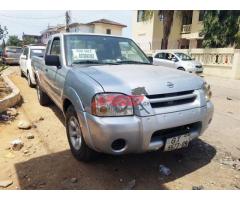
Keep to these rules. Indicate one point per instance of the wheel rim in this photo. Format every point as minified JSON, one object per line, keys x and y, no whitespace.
{"x":74,"y":133}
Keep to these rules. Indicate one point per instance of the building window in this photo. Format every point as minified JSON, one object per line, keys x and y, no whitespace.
{"x":187,"y":17}
{"x":108,"y":31}
{"x":199,"y":43}
{"x":140,"y":14}
{"x":201,"y":15}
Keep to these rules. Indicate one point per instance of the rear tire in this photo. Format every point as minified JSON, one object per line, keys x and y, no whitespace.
{"x":78,"y":146}
{"x":22,"y":74}
{"x":30,"y":84}
{"x":43,"y":98}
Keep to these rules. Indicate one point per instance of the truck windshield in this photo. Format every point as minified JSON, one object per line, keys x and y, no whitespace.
{"x":94,"y":49}
{"x":183,"y":56}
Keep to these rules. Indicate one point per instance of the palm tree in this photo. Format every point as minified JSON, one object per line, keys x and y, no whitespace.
{"x":167,"y":17}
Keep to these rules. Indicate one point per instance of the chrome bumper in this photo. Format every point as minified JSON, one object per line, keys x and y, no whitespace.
{"x":100,"y":132}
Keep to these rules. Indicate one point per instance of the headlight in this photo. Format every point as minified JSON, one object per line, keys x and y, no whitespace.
{"x":207,"y":91}
{"x":112,"y":104}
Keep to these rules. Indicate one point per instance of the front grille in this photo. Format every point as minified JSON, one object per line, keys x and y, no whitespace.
{"x":176,"y":131}
{"x":172,"y":99}
{"x":173,"y":94}
{"x":198,"y":66}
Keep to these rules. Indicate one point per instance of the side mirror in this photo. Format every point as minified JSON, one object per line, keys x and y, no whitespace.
{"x":52,"y":60}
{"x":150,"y":58}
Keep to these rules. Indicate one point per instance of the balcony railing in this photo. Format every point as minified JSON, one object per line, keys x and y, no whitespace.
{"x":186,"y":28}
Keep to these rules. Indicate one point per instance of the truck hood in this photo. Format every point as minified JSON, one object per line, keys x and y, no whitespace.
{"x":142,"y":79}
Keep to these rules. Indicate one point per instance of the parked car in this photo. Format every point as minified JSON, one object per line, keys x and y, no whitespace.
{"x":26,"y":63}
{"x":177,"y":60}
{"x":115,"y":101}
{"x":11,"y":55}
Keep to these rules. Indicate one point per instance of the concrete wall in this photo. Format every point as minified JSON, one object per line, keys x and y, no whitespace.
{"x":142,"y":32}
{"x":222,"y":62}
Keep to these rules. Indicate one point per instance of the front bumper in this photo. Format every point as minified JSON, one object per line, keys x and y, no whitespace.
{"x":195,"y":70}
{"x":100,"y":132}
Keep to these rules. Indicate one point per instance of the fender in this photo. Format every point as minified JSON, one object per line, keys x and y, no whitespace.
{"x":71,"y":95}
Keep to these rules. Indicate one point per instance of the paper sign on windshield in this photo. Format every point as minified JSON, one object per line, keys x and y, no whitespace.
{"x":84,"y":54}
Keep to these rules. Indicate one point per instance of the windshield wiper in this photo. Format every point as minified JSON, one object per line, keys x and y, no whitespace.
{"x":132,"y":62}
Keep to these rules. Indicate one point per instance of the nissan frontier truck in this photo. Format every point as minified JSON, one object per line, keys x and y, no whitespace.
{"x":115,"y":101}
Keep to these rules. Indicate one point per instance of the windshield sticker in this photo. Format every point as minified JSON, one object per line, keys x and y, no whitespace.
{"x":84,"y":54}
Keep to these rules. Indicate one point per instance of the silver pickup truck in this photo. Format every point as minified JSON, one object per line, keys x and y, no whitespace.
{"x":115,"y":101}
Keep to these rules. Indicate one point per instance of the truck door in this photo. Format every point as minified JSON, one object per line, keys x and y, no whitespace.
{"x":50,"y":71}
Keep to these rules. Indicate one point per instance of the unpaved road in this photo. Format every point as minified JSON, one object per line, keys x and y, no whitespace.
{"x":48,"y":164}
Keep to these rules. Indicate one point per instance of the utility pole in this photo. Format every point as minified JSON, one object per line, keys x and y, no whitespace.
{"x":68,"y":20}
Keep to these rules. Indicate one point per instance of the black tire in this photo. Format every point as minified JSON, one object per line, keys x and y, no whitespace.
{"x":181,"y":68}
{"x":83,"y":153}
{"x":30,"y":84}
{"x":22,"y":74}
{"x":43,"y":98}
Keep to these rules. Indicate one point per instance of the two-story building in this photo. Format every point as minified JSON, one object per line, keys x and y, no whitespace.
{"x":185,"y":30}
{"x":101,"y":26}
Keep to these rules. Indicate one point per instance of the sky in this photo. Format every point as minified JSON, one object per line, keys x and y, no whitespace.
{"x":32,"y":22}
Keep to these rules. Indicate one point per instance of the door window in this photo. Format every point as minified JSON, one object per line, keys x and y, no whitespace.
{"x":55,"y":49}
{"x":25,"y":52}
{"x":160,"y":55}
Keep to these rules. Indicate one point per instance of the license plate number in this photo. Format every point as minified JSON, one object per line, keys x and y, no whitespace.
{"x":177,"y":142}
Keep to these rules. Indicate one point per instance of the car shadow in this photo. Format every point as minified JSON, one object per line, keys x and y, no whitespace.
{"x":61,"y":171}
{"x":55,"y":171}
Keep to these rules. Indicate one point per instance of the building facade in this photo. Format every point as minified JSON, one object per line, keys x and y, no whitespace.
{"x":185,"y":30}
{"x":101,"y":26}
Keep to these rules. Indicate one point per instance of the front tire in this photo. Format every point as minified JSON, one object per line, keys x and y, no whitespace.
{"x":78,"y":146}
{"x":43,"y":98}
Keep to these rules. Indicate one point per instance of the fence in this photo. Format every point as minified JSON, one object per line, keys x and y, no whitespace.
{"x":224,"y":62}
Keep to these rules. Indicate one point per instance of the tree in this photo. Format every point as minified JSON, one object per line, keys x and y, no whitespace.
{"x":13,"y":40}
{"x":3,"y":34}
{"x":28,"y":40}
{"x":221,"y":28}
{"x":167,"y":17}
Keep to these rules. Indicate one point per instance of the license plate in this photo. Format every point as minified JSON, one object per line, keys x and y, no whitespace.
{"x":177,"y":142}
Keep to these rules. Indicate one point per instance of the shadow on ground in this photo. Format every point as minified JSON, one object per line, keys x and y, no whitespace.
{"x":55,"y":171}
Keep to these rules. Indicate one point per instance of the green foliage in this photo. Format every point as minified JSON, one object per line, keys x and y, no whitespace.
{"x":3,"y":32}
{"x":29,"y":40}
{"x":221,"y":28}
{"x":13,"y":40}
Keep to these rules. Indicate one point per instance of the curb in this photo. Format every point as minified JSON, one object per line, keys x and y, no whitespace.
{"x":13,"y":98}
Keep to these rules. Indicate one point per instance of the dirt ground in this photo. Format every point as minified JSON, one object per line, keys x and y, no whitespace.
{"x":45,"y":162}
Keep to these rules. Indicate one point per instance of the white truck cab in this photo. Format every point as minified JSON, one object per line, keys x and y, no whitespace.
{"x":25,"y":62}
